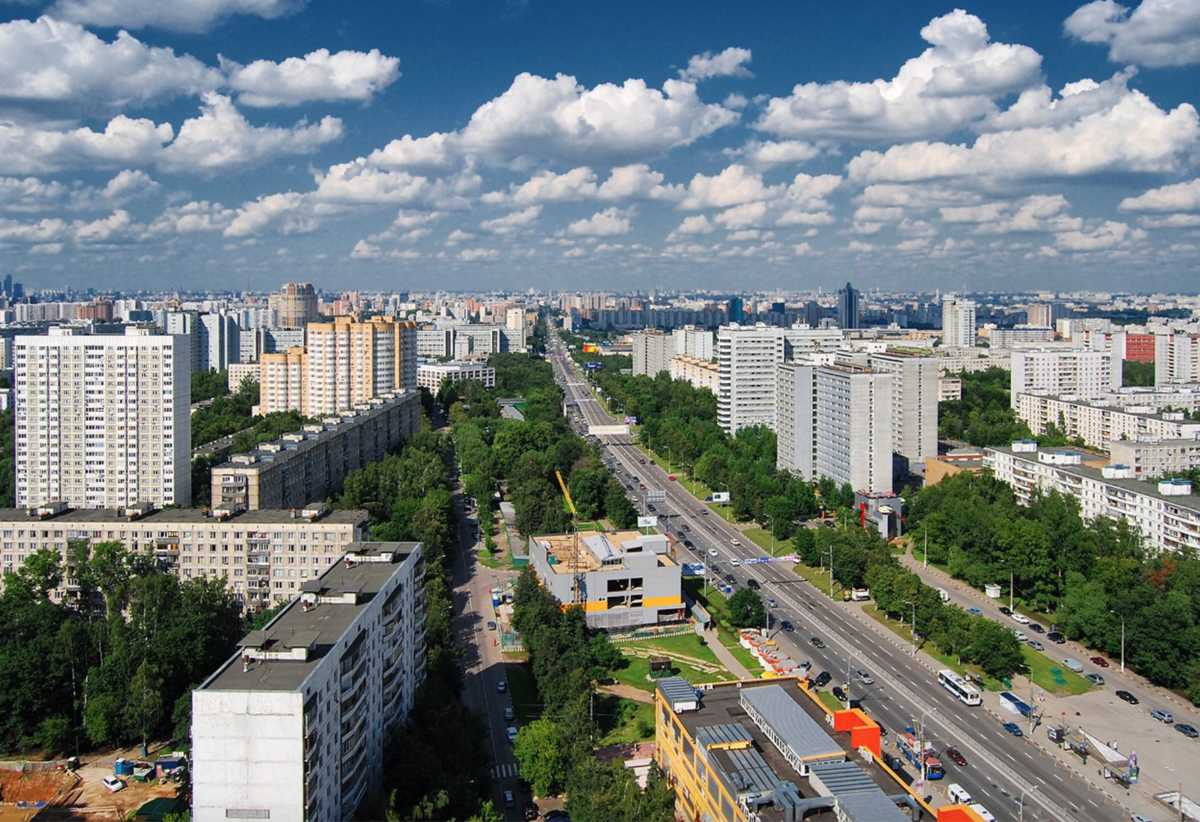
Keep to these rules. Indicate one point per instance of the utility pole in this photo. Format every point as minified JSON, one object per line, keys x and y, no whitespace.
{"x":1010,"y":590}
{"x":1122,"y":616}
{"x":926,"y":546}
{"x":914,"y":625}
{"x":830,"y":552}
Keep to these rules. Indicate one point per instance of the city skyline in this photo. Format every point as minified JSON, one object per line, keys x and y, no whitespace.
{"x":476,"y":146}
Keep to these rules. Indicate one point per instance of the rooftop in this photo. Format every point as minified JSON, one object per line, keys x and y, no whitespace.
{"x":584,"y":552}
{"x":295,"y":642}
{"x":187,"y":516}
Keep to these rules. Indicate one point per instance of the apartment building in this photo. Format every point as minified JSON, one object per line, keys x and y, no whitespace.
{"x":772,"y":752}
{"x":699,"y":372}
{"x":1166,"y":514}
{"x":622,"y":580}
{"x":1176,"y":359}
{"x":1102,"y":423}
{"x":914,"y":403}
{"x":693,"y":342}
{"x":343,"y":364}
{"x":264,"y":555}
{"x":835,"y":420}
{"x":431,"y":374}
{"x":291,"y":726}
{"x":1020,"y":335}
{"x":312,"y":463}
{"x":652,"y":352}
{"x":1151,"y":458}
{"x":462,"y":341}
{"x":958,"y":323}
{"x":747,"y":357}
{"x":295,"y":305}
{"x":102,"y":420}
{"x":1086,"y":374}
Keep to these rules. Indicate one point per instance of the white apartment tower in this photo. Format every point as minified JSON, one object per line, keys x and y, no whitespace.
{"x":103,"y":420}
{"x":693,"y":342}
{"x":958,"y":323}
{"x":652,"y":352}
{"x":1083,"y":374}
{"x":914,"y":403}
{"x":835,"y":420}
{"x":1176,"y":359}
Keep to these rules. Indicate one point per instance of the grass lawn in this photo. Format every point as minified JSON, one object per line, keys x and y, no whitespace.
{"x":623,"y":720}
{"x":1052,"y":676}
{"x":637,"y":669}
{"x":527,"y":704}
{"x":830,"y":701}
{"x":718,"y":607}
{"x":485,"y":558}
{"x":762,"y":538}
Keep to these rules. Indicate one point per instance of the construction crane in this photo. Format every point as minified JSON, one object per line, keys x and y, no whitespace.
{"x":575,"y":571}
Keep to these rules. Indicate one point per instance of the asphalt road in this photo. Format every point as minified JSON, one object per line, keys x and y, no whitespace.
{"x":1001,"y":768}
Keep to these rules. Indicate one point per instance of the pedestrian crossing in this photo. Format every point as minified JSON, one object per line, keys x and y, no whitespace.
{"x":505,"y":771}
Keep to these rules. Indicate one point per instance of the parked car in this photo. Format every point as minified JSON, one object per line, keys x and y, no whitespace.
{"x":1099,"y":661}
{"x":529,"y":811}
{"x":1021,"y":618}
{"x":508,"y":715}
{"x":1056,"y":637}
{"x":787,"y":626}
{"x":512,"y":733}
{"x":1095,"y":679}
{"x":954,"y":756}
{"x":838,"y":693}
{"x":1013,"y":728}
{"x":1035,"y":645}
{"x":1187,"y":730}
{"x":818,"y":642}
{"x":822,"y":679}
{"x":1021,"y":636}
{"x":113,"y":783}
{"x":1037,"y":629}
{"x":865,"y":676}
{"x":491,"y":625}
{"x":1004,"y":610}
{"x":1125,"y":696}
{"x":974,"y":612}
{"x":1162,"y":716}
{"x":1073,"y":665}
{"x":501,"y":686}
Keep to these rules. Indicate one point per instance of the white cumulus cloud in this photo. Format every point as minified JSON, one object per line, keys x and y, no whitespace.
{"x":123,"y":142}
{"x":319,"y":75}
{"x":729,"y":63}
{"x":1156,"y":33}
{"x":1177,"y":197}
{"x":607,"y":223}
{"x":175,"y":15}
{"x":513,"y":221}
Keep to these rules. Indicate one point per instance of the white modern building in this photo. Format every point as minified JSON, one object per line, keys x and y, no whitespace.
{"x":694,"y":342}
{"x":1166,"y":514}
{"x":914,"y":402}
{"x":652,"y":352}
{"x":292,"y":726}
{"x":1102,"y":424}
{"x":1085,"y":374}
{"x":1176,"y":359}
{"x":835,"y":420}
{"x":102,"y":420}
{"x":1020,"y":335}
{"x":958,"y":323}
{"x":431,"y":374}
{"x":700,"y":373}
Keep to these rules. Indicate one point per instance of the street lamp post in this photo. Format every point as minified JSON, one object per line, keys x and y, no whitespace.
{"x":1122,"y":616}
{"x":830,"y":552}
{"x":771,"y":522}
{"x":914,"y":625}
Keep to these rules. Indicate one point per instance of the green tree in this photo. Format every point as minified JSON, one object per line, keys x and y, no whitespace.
{"x":995,"y":649}
{"x":144,"y":710}
{"x":539,"y":755}
{"x":746,"y":609}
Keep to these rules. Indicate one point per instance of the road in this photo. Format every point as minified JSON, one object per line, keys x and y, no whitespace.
{"x":1003,"y":773}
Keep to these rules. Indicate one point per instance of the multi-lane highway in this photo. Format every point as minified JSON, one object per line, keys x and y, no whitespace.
{"x":1009,"y":776}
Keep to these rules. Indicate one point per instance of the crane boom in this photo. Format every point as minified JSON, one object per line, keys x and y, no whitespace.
{"x":566,"y":493}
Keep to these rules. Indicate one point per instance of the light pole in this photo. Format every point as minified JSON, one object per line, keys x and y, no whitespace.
{"x":1010,"y":589}
{"x":926,"y":546}
{"x":771,"y":520}
{"x":1021,"y":816}
{"x":830,"y":552}
{"x":914,"y":625}
{"x":1122,"y":616}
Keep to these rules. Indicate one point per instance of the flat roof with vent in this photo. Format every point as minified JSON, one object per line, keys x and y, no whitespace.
{"x":317,"y":628}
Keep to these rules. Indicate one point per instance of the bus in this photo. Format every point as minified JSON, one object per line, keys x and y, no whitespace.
{"x":958,"y":686}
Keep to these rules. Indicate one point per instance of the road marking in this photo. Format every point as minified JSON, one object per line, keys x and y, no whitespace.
{"x":505,"y":771}
{"x":1059,"y":778}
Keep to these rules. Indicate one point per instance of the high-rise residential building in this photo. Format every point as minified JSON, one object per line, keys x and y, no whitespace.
{"x":295,"y":305}
{"x":735,"y":310}
{"x":700,"y":373}
{"x":1176,"y":359}
{"x":291,"y":726}
{"x":848,"y":309}
{"x":186,"y":324}
{"x":835,"y":420}
{"x":958,"y":322}
{"x":1084,"y":374}
{"x":343,"y":364}
{"x":693,"y":342}
{"x":1044,"y":315}
{"x":914,"y":403}
{"x":652,"y":352}
{"x":103,"y":420}
{"x":220,"y":341}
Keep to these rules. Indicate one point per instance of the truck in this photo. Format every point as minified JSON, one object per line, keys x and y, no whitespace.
{"x":860,"y":594}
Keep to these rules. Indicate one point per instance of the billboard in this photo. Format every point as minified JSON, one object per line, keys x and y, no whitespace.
{"x":591,"y":348}
{"x":592,"y":366}
{"x":608,"y":430}
{"x":647,"y":522}
{"x":721,"y":496}
{"x":630,"y":420}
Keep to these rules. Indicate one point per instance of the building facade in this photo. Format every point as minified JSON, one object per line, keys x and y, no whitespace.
{"x":102,"y":420}
{"x":915,"y":396}
{"x":652,"y":352}
{"x":1085,"y":374}
{"x":849,"y":313}
{"x":694,"y":342}
{"x":264,"y":555}
{"x":431,"y":374}
{"x":292,"y":725}
{"x":1103,"y":424}
{"x":312,"y":463}
{"x":700,"y":373}
{"x":1176,"y":359}
{"x":958,"y":323}
{"x":295,"y":305}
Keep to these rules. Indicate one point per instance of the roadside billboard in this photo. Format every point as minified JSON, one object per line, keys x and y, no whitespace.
{"x":647,"y":522}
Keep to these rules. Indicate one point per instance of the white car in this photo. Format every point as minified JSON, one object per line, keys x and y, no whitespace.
{"x":1021,"y":618}
{"x":735,"y":562}
{"x":113,"y":783}
{"x":713,"y":552}
{"x":512,"y":733}
{"x":1020,"y":635}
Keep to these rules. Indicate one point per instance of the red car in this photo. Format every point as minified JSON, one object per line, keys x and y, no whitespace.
{"x":1099,"y":661}
{"x":954,"y":756}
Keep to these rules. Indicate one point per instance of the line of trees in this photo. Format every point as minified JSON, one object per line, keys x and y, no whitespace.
{"x":1089,"y":575}
{"x":555,"y":752}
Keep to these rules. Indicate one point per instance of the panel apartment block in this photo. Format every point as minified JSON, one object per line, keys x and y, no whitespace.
{"x":652,"y":352}
{"x":622,"y":580}
{"x":102,"y":420}
{"x":431,"y":374}
{"x":1086,"y":374}
{"x":915,"y":395}
{"x":264,"y":555}
{"x":1176,"y":359}
{"x":292,"y":726}
{"x":1101,"y":424}
{"x":312,"y":463}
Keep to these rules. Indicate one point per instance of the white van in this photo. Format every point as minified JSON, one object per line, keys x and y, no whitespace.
{"x":943,"y":594}
{"x":958,"y":794}
{"x":983,"y":812}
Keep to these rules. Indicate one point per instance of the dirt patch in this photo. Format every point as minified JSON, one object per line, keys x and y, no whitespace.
{"x":101,"y":803}
{"x":29,"y":786}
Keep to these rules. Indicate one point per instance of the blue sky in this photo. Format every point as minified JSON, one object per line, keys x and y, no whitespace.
{"x":473,"y":145}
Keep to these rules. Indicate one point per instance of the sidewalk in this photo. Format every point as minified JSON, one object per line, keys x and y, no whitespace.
{"x":727,"y":659}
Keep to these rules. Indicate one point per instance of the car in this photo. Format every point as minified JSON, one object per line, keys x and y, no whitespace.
{"x":641,"y":486}
{"x":1037,"y":629}
{"x":1013,"y":728}
{"x":1004,"y":610}
{"x":652,"y":509}
{"x":1187,"y":730}
{"x":736,"y":543}
{"x":771,"y":603}
{"x":1162,"y":716}
{"x":806,"y":664}
{"x":954,"y":756}
{"x":838,"y":693}
{"x":704,"y":512}
{"x":1125,"y":696}
{"x":509,"y":716}
{"x":1073,"y":665}
{"x":1035,"y":645}
{"x":1098,"y":661}
{"x":787,"y":626}
{"x":822,"y":679}
{"x":1021,"y":618}
{"x":730,"y":578}
{"x":1056,"y":637}
{"x":510,"y":801}
{"x":1140,"y":817}
{"x":1095,"y":679}
{"x":753,"y":583}
{"x":529,"y":811}
{"x":818,"y":642}
{"x":974,"y":612}
{"x":1021,"y":636}
{"x":501,"y":686}
{"x":865,"y":676}
{"x":716,"y":569}
{"x":641,"y":462}
{"x":491,"y":624}
{"x":687,"y":543}
{"x":556,"y":815}
{"x":512,"y":733}
{"x":713,"y":552}
{"x":735,"y":562}
{"x":113,"y":783}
